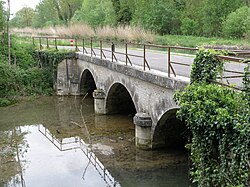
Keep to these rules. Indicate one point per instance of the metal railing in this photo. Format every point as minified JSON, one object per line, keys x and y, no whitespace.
{"x":91,"y":47}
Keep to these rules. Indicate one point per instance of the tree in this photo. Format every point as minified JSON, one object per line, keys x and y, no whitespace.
{"x":66,"y":9}
{"x":237,"y":23}
{"x":2,"y":17}
{"x":161,"y":16}
{"x":54,"y":12}
{"x":96,"y":13}
{"x":214,"y":12}
{"x":123,"y":10}
{"x":191,"y":18}
{"x":23,"y":17}
{"x":45,"y":14}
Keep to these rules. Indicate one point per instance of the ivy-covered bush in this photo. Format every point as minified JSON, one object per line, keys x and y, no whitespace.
{"x":206,"y":66}
{"x":219,"y":119}
{"x":31,"y":72}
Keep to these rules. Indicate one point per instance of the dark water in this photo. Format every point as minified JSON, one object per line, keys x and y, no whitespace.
{"x":49,"y":142}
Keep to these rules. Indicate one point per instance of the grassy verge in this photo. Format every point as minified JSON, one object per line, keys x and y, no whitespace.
{"x":194,"y":41}
{"x":132,"y":34}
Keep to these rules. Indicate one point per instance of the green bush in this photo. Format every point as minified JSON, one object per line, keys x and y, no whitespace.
{"x":219,"y":119}
{"x":237,"y":23}
{"x":33,"y":73}
{"x":96,"y":13}
{"x":160,"y":16}
{"x":189,"y":26}
{"x":206,"y":66}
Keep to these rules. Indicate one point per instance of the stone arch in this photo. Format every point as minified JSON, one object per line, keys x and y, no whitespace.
{"x":87,"y":83}
{"x":170,"y":131}
{"x":119,"y":100}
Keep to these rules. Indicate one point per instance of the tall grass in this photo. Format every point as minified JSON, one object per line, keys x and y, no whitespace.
{"x":122,"y":33}
{"x":132,"y":34}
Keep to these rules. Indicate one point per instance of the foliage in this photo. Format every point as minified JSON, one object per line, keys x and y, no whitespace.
{"x":220,"y":127}
{"x":124,"y":11}
{"x":189,"y":17}
{"x":45,"y":15}
{"x":189,"y":26}
{"x":206,"y":66}
{"x":246,"y":80}
{"x":55,"y":12}
{"x":2,"y":17}
{"x":195,"y":41}
{"x":214,"y":12}
{"x":160,"y":16}
{"x":237,"y":23}
{"x":23,"y":18}
{"x":34,"y":73}
{"x":219,"y":119}
{"x":96,"y":12}
{"x":49,"y":60}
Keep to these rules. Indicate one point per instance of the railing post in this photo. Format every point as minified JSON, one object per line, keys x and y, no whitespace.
{"x":83,"y":45}
{"x":113,"y":50}
{"x":126,"y":51}
{"x":91,"y":46}
{"x":76,"y":49}
{"x":40,"y":43}
{"x":33,"y":40}
{"x":101,"y":49}
{"x":47,"y":40}
{"x":144,"y":57}
{"x":169,"y":63}
{"x":56,"y":44}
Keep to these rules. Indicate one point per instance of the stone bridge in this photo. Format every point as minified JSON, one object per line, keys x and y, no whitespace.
{"x":117,"y":88}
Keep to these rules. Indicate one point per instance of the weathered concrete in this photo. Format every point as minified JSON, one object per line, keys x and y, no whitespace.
{"x":99,"y":101}
{"x":143,"y":124}
{"x":150,"y":92}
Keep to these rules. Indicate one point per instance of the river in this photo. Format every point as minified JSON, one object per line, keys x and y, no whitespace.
{"x":59,"y":141}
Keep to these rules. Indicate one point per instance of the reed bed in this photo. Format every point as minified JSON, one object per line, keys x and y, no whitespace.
{"x":120,"y":33}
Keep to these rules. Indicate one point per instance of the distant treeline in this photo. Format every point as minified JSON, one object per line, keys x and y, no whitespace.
{"x":223,"y":18}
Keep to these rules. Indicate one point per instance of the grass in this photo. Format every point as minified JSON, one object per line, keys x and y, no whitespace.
{"x":194,"y":41}
{"x":133,"y":34}
{"x":121,"y":33}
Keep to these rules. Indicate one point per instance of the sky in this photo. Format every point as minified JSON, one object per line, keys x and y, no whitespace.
{"x":16,"y":5}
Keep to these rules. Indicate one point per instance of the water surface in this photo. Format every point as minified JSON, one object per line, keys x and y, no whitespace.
{"x":59,"y":141}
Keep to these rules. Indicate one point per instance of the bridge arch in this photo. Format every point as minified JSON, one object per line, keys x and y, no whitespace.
{"x":119,"y":100}
{"x":170,"y":131}
{"x":87,"y":82}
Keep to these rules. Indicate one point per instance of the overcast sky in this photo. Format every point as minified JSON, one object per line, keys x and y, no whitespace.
{"x":16,"y":5}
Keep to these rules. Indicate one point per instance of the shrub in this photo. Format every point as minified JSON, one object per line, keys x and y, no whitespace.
{"x":206,"y":66}
{"x":237,"y":23}
{"x":189,"y":26}
{"x":219,"y":119}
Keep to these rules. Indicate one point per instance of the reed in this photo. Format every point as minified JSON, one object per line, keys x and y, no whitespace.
{"x":121,"y":33}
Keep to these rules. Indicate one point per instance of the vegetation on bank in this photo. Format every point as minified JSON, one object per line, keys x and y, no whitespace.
{"x":190,"y":23}
{"x":132,"y":34}
{"x":29,"y":73}
{"x":219,"y":119}
{"x":208,"y":18}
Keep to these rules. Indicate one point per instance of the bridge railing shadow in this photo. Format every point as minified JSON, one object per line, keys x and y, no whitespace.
{"x":129,"y":53}
{"x":74,"y":143}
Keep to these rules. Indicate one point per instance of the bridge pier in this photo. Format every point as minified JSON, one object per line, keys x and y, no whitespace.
{"x":99,"y":101}
{"x":143,"y":124}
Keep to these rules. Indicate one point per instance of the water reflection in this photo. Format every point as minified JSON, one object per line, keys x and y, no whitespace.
{"x":57,"y":159}
{"x":74,"y":143}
